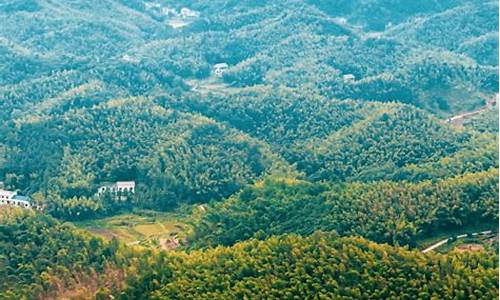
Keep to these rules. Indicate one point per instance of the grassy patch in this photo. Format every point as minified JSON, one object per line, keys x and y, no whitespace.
{"x":141,"y":227}
{"x":150,"y":229}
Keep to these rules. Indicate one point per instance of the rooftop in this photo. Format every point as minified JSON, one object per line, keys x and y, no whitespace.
{"x":125,"y":183}
{"x":221,"y":65}
{"x":7,"y":193}
{"x":21,"y":198}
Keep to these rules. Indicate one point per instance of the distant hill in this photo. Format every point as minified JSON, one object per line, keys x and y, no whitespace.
{"x":278,"y":43}
{"x":275,"y":135}
{"x":338,"y":140}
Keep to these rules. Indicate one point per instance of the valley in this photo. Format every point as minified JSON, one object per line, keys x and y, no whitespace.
{"x":289,"y":149}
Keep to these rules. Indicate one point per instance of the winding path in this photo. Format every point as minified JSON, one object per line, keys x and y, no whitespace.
{"x":442,"y":242}
{"x":489,"y":104}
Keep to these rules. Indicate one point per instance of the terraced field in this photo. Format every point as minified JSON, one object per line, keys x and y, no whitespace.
{"x":144,"y":228}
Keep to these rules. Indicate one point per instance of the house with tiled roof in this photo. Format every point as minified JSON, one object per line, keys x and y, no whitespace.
{"x":119,"y":188}
{"x":13,"y":199}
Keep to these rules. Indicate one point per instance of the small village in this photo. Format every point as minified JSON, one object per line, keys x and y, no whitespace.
{"x":119,"y":189}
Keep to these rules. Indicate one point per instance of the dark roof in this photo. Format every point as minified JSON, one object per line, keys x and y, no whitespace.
{"x":21,"y":198}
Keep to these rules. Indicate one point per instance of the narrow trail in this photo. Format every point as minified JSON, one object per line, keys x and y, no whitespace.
{"x":489,"y":104}
{"x":442,"y":242}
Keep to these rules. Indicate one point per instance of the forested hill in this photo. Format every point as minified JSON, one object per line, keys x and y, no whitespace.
{"x":93,"y":95}
{"x":394,"y":50}
{"x":389,"y":212}
{"x":41,"y":258}
{"x":184,"y":154}
{"x":273,"y":144}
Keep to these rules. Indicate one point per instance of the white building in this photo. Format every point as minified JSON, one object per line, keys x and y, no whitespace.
{"x":6,"y":195}
{"x":169,"y":12}
{"x":121,"y":187}
{"x":188,"y":13}
{"x":130,"y":59}
{"x":220,"y":69}
{"x":13,"y":199}
{"x":152,"y":5}
{"x":349,"y":77}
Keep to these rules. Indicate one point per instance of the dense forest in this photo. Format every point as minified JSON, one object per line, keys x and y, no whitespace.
{"x":40,"y":256}
{"x":334,"y":138}
{"x":62,"y":262}
{"x":322,"y":266}
{"x":193,"y":152}
{"x":175,"y":157}
{"x":388,"y":212}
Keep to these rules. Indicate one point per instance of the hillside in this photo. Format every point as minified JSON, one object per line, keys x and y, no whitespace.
{"x":50,"y":266}
{"x":326,"y":267}
{"x":192,"y":150}
{"x":176,"y":157}
{"x":40,"y":258}
{"x":279,"y":43}
{"x":288,"y":149}
{"x":386,"y":212}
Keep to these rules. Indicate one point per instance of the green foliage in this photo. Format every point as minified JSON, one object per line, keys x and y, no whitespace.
{"x":175,"y":157}
{"x":99,"y":91}
{"x":178,"y":156}
{"x":347,"y":140}
{"x":388,"y":212}
{"x":484,"y":122}
{"x":440,"y":29}
{"x":322,"y":266}
{"x":477,"y":155}
{"x":63,"y":133}
{"x":388,"y":45}
{"x":42,"y":257}
{"x":39,"y":255}
{"x":385,"y":141}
